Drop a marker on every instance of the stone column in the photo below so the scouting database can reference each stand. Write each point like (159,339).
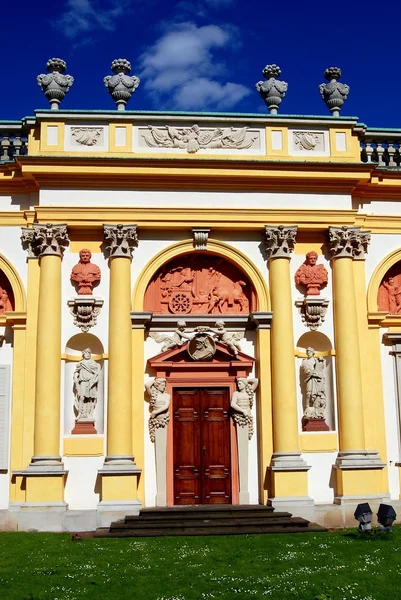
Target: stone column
(347,244)
(288,481)
(119,474)
(47,242)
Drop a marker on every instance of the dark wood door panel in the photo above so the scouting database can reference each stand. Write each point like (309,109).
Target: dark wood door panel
(202,471)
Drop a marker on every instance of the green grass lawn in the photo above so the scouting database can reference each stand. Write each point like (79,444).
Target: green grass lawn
(337,566)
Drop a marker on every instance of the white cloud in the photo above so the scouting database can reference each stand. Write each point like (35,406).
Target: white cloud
(181,69)
(82,16)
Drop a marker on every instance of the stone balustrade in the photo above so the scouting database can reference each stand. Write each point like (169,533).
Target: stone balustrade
(13,140)
(381,146)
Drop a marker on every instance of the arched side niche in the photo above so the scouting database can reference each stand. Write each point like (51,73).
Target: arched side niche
(73,354)
(200,283)
(382,272)
(323,350)
(11,283)
(216,247)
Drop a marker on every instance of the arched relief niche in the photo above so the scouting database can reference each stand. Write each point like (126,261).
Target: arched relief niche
(200,283)
(389,293)
(322,362)
(73,355)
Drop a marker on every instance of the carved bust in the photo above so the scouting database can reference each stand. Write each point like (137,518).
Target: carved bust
(85,273)
(314,277)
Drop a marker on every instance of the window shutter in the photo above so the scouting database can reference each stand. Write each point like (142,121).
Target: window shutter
(4,414)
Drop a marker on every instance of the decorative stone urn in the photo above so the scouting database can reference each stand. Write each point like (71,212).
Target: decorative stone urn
(54,84)
(121,86)
(334,93)
(272,91)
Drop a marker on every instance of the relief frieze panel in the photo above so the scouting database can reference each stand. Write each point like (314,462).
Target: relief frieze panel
(389,295)
(201,284)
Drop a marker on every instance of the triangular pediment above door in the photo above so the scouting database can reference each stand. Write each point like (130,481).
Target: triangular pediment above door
(180,357)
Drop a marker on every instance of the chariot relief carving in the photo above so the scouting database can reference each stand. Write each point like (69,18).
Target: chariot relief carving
(200,285)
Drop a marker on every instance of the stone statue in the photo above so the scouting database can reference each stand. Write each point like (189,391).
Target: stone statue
(54,84)
(202,346)
(314,277)
(333,93)
(272,91)
(159,403)
(179,337)
(313,370)
(242,402)
(85,273)
(229,339)
(86,380)
(121,85)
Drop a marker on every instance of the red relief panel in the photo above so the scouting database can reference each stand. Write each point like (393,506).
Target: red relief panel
(389,295)
(200,284)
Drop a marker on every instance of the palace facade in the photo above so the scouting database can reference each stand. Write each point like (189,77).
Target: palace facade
(197,309)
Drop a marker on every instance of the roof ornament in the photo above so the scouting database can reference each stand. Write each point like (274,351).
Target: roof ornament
(272,91)
(121,86)
(334,93)
(54,84)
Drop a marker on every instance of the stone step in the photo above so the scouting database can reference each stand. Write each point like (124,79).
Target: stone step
(182,514)
(206,522)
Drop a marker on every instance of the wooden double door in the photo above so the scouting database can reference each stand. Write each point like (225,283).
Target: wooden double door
(201,443)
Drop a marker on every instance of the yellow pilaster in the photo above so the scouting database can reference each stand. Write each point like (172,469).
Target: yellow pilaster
(138,406)
(17,422)
(286,460)
(119,413)
(358,463)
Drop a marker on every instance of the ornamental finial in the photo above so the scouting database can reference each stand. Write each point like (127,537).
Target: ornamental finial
(334,93)
(121,86)
(54,84)
(272,91)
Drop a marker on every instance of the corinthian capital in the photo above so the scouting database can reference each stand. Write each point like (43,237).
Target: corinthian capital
(45,240)
(279,241)
(348,242)
(121,240)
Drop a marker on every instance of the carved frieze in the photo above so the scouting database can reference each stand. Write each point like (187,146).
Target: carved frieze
(42,240)
(279,241)
(121,240)
(200,284)
(348,242)
(193,139)
(87,136)
(312,141)
(389,295)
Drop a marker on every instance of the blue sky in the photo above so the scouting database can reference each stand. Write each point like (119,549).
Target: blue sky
(205,55)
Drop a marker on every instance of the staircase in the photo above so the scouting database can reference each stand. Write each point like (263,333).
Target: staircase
(221,519)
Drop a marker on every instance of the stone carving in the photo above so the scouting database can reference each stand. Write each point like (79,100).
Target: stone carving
(159,404)
(314,381)
(5,303)
(333,93)
(42,240)
(121,85)
(85,273)
(231,340)
(313,311)
(314,277)
(199,284)
(201,236)
(279,241)
(86,381)
(86,136)
(242,403)
(194,138)
(389,295)
(123,239)
(85,311)
(272,91)
(309,140)
(202,346)
(54,84)
(348,242)
(179,337)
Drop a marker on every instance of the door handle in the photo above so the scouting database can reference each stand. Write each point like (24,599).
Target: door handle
(204,450)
